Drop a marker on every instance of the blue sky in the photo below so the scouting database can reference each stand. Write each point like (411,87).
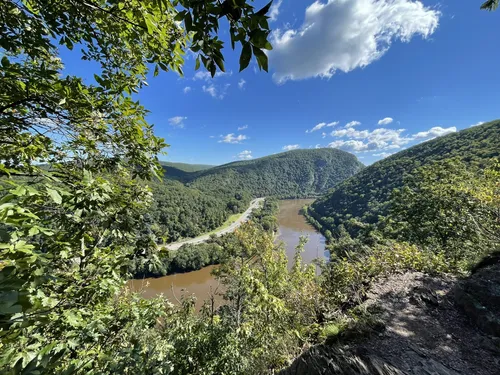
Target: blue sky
(340,67)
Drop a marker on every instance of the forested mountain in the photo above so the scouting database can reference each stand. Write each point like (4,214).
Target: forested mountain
(213,194)
(362,198)
(292,174)
(182,171)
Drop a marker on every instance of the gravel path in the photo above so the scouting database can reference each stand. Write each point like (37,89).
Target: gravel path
(243,218)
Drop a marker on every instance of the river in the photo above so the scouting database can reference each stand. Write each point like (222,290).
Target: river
(201,283)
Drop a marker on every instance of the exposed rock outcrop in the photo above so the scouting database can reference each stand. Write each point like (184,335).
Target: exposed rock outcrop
(426,333)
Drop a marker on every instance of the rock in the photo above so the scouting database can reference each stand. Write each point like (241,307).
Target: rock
(422,296)
(323,360)
(479,298)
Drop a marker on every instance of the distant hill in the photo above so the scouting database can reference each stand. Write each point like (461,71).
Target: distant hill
(365,196)
(292,174)
(182,171)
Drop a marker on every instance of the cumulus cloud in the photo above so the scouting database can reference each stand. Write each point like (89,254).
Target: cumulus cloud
(177,121)
(243,127)
(217,92)
(245,155)
(345,35)
(322,125)
(352,124)
(436,131)
(290,147)
(383,155)
(385,121)
(381,139)
(274,11)
(232,138)
(477,124)
(241,83)
(186,89)
(365,140)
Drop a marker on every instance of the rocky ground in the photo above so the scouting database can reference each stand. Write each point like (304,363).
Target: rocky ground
(429,326)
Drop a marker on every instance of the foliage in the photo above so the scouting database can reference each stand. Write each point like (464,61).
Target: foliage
(446,207)
(292,174)
(72,211)
(359,202)
(347,277)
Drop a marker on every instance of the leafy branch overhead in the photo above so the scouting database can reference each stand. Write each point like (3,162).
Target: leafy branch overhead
(247,27)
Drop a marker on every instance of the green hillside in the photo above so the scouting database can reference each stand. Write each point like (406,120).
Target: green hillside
(292,174)
(182,171)
(365,196)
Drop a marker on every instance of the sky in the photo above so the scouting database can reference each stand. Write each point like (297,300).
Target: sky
(371,77)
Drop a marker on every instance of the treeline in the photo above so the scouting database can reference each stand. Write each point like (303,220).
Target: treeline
(192,257)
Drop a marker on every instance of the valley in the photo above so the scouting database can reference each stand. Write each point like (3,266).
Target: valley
(291,226)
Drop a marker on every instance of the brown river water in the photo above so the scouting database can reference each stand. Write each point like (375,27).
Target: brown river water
(201,283)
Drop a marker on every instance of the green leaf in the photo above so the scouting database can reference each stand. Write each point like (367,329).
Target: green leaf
(265,9)
(261,58)
(56,197)
(246,55)
(197,64)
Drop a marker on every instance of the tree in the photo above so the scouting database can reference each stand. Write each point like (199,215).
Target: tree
(69,158)
(490,5)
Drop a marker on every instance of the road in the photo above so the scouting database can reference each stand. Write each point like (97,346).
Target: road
(243,218)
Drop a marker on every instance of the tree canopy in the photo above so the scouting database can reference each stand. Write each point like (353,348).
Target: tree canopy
(71,209)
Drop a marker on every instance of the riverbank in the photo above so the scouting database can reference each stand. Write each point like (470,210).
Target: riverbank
(283,217)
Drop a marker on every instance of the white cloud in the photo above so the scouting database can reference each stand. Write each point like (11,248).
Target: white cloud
(383,155)
(233,139)
(323,135)
(436,131)
(385,121)
(212,136)
(290,147)
(274,11)
(186,89)
(381,139)
(177,121)
(241,83)
(321,125)
(243,127)
(245,155)
(365,140)
(345,35)
(477,124)
(352,124)
(206,76)
(217,92)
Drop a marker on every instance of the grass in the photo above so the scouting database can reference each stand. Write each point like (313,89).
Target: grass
(231,219)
